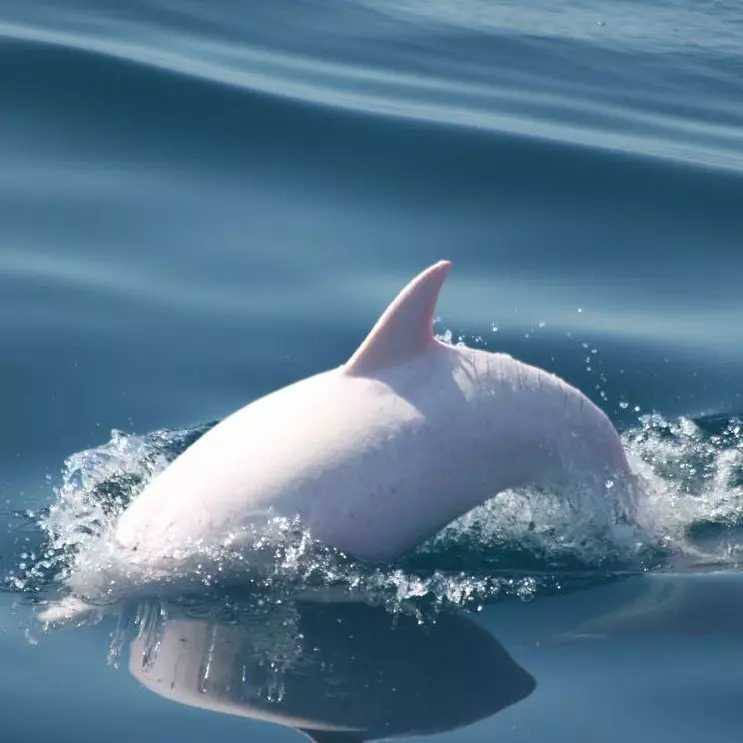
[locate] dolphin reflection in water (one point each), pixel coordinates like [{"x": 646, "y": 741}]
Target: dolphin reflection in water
[{"x": 339, "y": 672}]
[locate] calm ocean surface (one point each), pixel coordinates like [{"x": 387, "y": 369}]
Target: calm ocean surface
[{"x": 203, "y": 201}]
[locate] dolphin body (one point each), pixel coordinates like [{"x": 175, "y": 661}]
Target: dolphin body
[
  {"x": 382, "y": 452},
  {"x": 377, "y": 455}
]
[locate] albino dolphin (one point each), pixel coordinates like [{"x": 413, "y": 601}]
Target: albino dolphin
[{"x": 379, "y": 454}]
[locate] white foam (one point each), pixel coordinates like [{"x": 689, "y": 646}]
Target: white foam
[{"x": 516, "y": 543}]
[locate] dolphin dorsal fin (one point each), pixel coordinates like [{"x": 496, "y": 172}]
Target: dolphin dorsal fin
[{"x": 406, "y": 327}]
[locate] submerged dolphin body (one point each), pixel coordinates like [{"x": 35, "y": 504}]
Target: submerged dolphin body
[
  {"x": 339, "y": 672},
  {"x": 380, "y": 453}
]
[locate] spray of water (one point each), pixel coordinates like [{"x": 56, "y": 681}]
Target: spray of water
[{"x": 517, "y": 543}]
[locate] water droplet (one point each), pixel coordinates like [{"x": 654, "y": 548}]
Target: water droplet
[{"x": 527, "y": 589}]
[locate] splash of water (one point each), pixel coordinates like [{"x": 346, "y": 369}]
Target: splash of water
[{"x": 517, "y": 543}]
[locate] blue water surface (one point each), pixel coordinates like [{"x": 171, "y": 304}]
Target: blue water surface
[{"x": 202, "y": 202}]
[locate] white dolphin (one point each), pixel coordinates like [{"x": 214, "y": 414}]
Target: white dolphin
[
  {"x": 382, "y": 452},
  {"x": 379, "y": 454}
]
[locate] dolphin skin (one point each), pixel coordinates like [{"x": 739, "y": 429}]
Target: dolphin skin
[{"x": 380, "y": 453}]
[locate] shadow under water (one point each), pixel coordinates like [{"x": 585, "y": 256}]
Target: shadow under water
[{"x": 338, "y": 672}]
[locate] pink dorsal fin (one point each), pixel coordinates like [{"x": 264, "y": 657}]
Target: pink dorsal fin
[{"x": 406, "y": 327}]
